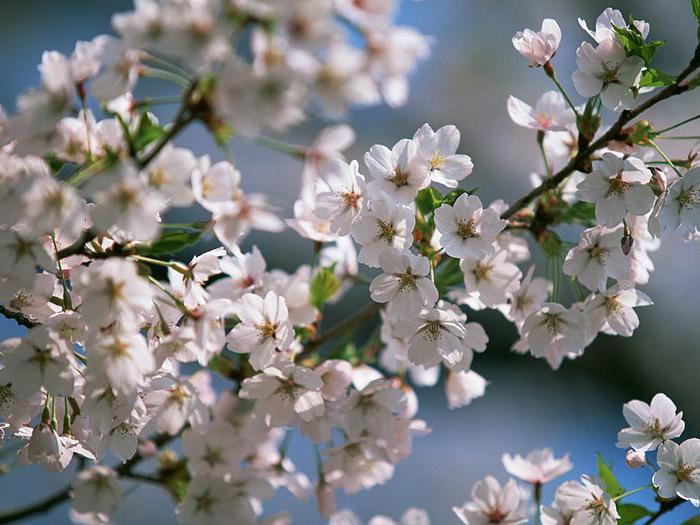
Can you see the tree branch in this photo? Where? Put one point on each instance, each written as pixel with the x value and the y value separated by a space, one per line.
pixel 17 317
pixel 363 315
pixel 666 506
pixel 626 116
pixel 62 495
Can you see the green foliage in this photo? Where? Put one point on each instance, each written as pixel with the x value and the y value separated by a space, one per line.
pixel 428 200
pixel 652 77
pixel 551 243
pixel 612 486
pixel 631 513
pixel 448 274
pixel 146 132
pixel 695 520
pixel 171 241
pixel 323 286
pixel 451 197
pixel 580 212
pixel 695 4
pixel 634 44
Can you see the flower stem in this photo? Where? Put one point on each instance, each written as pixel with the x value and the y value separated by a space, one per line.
pixel 540 143
pixel 665 157
pixel 549 71
pixel 681 123
pixel 630 492
pixel 293 150
pixel 537 494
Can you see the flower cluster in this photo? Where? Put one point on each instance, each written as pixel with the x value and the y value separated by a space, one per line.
pixel 595 499
pixel 128 347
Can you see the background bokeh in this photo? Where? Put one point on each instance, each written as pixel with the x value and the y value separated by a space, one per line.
pixel 466 82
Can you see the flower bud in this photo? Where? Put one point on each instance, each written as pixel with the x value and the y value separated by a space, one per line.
pixel 635 458
pixel 147 449
pixel 658 177
pixel 626 243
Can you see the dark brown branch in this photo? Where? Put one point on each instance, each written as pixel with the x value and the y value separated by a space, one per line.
pixel 17 317
pixel 62 495
pixel 348 324
pixel 626 116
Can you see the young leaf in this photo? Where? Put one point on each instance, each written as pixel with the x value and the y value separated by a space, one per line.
pixel 634 44
pixel 580 212
pixel 654 78
pixel 147 132
pixel 612 486
pixel 452 196
pixel 427 200
pixel 172 241
pixel 630 513
pixel 695 4
pixel 323 286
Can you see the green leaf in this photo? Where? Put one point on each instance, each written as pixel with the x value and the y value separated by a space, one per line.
pixel 428 199
pixel 551 244
pixel 630 513
pixel 452 196
pixel 448 274
pixel 695 4
pixel 323 286
pixel 172 241
pixel 634 44
pixel 580 212
pixel 695 520
pixel 147 132
pixel 654 78
pixel 612 486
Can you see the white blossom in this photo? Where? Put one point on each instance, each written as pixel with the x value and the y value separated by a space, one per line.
pixel 404 284
pixel 384 224
pixel 492 503
pixel 650 424
pixel 617 185
pixel 679 470
pixel 264 329
pixel 467 230
pixel 551 113
pixel 606 71
pixel 439 149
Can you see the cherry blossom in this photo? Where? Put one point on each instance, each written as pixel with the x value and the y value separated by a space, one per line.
pixel 467 230
pixel 549 114
pixel 589 501
pixel 650 424
pixel 384 224
pixel 264 328
pixel 679 470
pixel 606 71
pixel 492 503
pixel 617 185
pixel 538 46
pixel 439 149
pixel 539 466
pixel 404 285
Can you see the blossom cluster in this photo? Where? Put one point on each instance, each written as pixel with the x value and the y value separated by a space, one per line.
pixel 127 346
pixel 596 499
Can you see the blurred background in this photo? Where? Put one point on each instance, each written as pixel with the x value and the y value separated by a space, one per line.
pixel 466 82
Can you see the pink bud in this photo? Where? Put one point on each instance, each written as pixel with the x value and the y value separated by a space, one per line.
pixel 635 458
pixel 147 449
pixel 659 178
